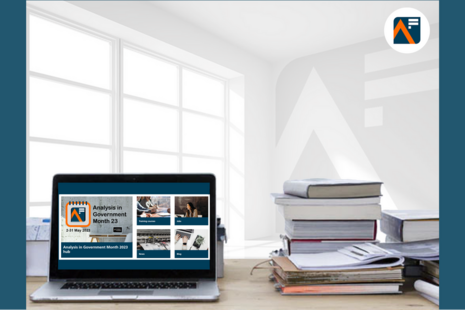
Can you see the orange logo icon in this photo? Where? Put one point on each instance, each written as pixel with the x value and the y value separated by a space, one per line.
pixel 78 214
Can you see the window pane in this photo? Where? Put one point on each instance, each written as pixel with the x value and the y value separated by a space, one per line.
pixel 236 109
pixel 138 162
pixel 202 93
pixel 150 78
pixel 236 149
pixel 149 126
pixel 236 191
pixel 204 165
pixel 202 135
pixel 48 159
pixel 43 212
pixel 79 114
pixel 236 205
pixel 66 53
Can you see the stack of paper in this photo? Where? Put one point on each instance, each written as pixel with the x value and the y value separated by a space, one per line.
pixel 411 225
pixel 305 246
pixel 331 230
pixel 361 269
pixel 335 274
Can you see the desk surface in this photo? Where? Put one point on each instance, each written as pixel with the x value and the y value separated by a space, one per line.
pixel 240 290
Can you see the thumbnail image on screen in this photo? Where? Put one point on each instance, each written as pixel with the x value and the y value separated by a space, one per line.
pixel 153 206
pixel 194 206
pixel 153 239
pixel 191 239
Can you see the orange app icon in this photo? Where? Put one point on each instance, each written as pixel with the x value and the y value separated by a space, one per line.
pixel 78 214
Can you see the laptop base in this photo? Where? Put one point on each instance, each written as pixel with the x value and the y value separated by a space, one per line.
pixel 52 292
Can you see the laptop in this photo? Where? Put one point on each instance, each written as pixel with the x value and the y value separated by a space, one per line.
pixel 100 250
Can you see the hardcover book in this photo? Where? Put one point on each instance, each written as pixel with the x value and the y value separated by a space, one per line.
pixel 410 225
pixel 332 188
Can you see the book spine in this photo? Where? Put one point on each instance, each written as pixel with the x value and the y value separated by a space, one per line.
pixel 392 226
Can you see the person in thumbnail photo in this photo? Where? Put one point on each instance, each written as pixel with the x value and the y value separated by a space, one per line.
pixel 191 206
pixel 153 206
pixel 144 204
pixel 184 240
pixel 191 211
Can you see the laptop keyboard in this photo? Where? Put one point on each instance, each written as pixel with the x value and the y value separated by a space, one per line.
pixel 128 285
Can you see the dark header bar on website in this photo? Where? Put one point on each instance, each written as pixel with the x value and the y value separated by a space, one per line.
pixel 133 188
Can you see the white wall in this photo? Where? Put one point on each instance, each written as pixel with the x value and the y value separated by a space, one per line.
pixel 174 37
pixel 402 151
pixel 362 111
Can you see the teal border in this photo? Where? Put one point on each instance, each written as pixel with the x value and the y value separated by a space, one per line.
pixel 451 153
pixel 13 154
pixel 13 130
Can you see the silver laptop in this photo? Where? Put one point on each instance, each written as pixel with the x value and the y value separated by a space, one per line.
pixel 117 238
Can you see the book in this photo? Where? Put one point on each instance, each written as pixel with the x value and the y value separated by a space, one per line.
pixel 429 278
pixel 367 256
pixel 302 246
pixel 289 275
pixel 341 261
pixel 419 250
pixel 332 188
pixel 410 225
pixel 356 212
pixel 340 289
pixel 331 230
pixel 381 275
pixel 289 200
pixel 431 267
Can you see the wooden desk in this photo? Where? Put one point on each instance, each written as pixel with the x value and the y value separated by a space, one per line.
pixel 239 290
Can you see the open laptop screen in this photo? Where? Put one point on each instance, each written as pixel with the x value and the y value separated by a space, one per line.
pixel 134 226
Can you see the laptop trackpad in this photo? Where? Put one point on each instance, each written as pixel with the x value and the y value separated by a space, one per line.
pixel 125 292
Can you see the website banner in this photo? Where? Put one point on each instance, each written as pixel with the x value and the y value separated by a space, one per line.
pixel 132 227
pixel 96 226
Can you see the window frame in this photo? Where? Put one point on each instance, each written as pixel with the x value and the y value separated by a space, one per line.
pixel 116 93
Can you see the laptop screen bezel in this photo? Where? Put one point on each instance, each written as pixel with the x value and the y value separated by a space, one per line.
pixel 56 274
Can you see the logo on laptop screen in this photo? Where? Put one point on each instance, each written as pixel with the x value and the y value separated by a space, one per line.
pixel 78 214
pixel 407 30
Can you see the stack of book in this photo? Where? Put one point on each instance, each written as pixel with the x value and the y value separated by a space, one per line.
pixel 327 215
pixel 362 269
pixel 416 225
pixel 293 281
pixel 408 226
pixel 430 271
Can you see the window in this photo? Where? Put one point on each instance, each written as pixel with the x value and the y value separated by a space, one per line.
pixel 70 104
pixel 97 104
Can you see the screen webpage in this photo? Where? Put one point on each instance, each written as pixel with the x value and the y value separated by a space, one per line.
pixel 146 226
